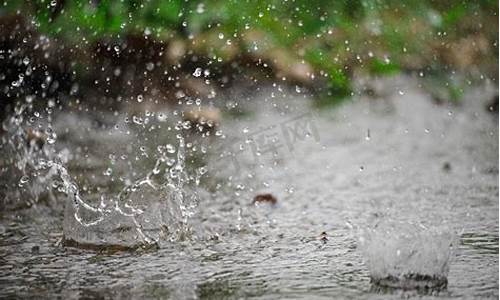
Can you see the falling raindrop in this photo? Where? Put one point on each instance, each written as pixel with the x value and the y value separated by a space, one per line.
pixel 24 179
pixel 197 72
pixel 200 8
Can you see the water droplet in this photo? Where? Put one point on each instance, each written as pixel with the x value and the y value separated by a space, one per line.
pixel 137 120
pixel 202 170
pixel 51 138
pixel 197 72
pixel 200 8
pixel 170 148
pixel 24 179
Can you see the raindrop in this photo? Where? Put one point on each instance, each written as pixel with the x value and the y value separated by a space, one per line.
pixel 170 148
pixel 24 179
pixel 200 8
pixel 137 120
pixel 197 72
pixel 51 138
pixel 202 170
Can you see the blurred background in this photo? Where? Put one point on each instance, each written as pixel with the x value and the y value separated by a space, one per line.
pixel 110 48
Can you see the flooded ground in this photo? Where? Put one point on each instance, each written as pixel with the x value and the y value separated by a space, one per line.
pixel 334 172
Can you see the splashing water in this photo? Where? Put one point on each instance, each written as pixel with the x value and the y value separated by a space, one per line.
pixel 150 208
pixel 407 255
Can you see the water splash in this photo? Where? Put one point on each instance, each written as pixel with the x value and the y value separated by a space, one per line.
pixel 407 255
pixel 148 209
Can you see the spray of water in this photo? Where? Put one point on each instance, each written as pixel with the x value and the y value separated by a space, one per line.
pixel 169 209
pixel 407 255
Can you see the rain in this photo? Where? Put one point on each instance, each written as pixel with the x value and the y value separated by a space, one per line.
pixel 178 149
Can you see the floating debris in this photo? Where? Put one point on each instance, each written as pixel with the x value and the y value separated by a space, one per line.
pixel 265 198
pixel 323 237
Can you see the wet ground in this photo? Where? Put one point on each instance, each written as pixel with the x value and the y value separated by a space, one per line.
pixel 334 172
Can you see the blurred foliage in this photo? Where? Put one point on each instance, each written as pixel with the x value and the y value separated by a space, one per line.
pixel 336 38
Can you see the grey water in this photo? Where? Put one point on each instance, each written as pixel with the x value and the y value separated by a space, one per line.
pixel 400 159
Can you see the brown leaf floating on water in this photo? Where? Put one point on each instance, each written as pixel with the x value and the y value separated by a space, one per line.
pixel 265 198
